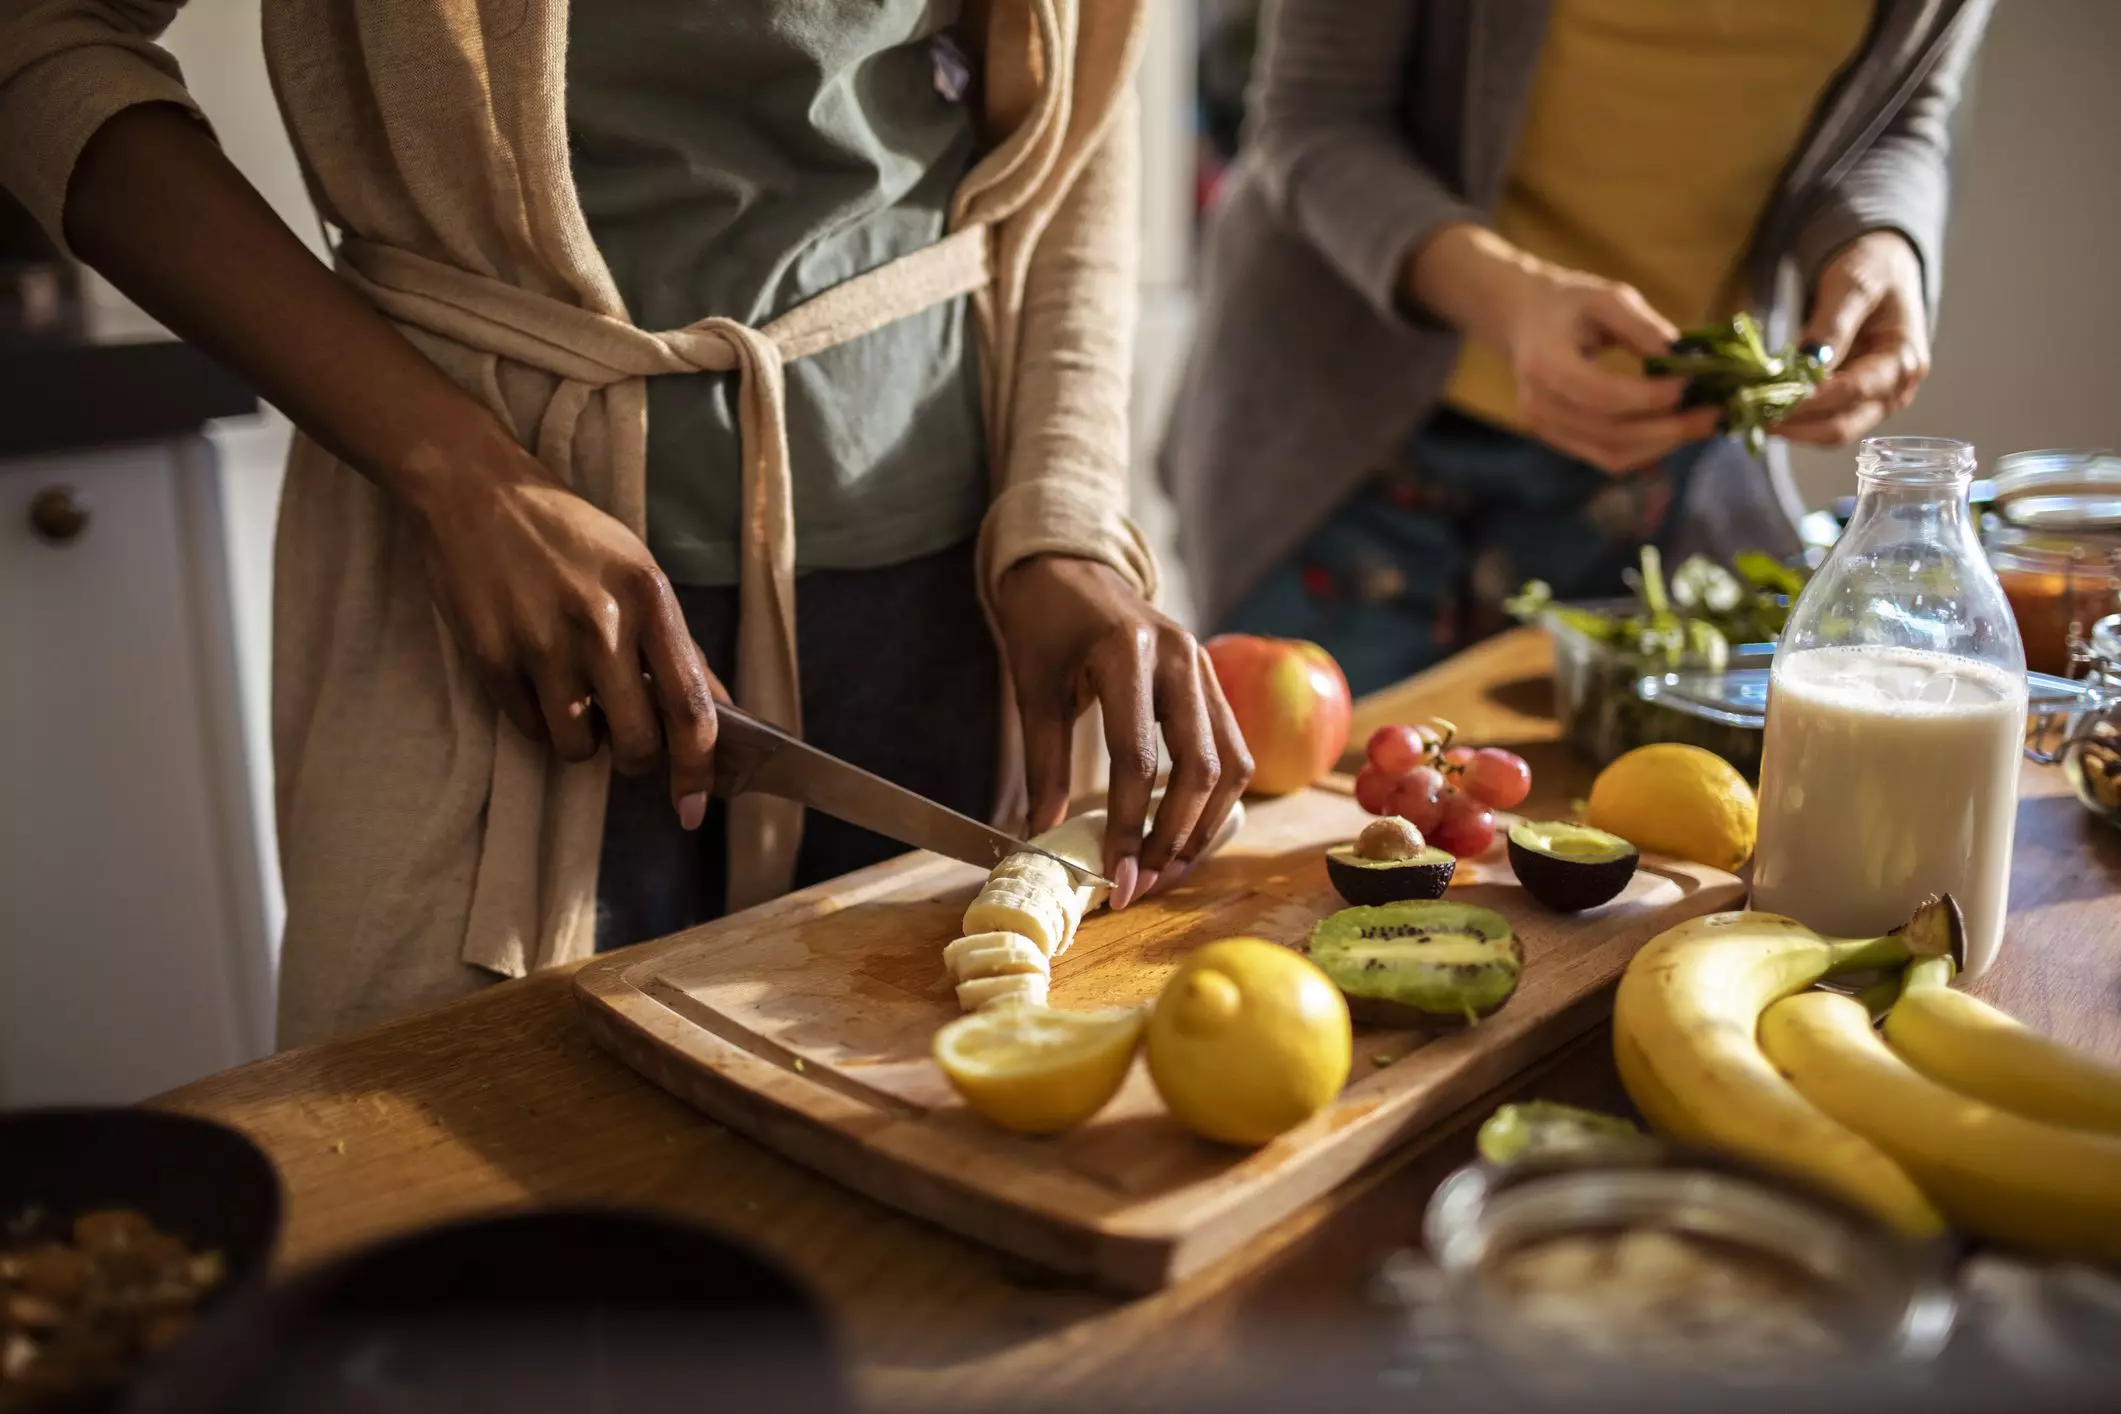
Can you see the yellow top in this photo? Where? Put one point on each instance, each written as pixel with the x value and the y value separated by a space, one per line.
pixel 1654 135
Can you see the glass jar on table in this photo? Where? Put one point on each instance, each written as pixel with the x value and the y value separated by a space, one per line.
pixel 2053 537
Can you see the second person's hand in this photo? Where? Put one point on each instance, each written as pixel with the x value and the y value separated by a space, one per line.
pixel 1552 323
pixel 1076 632
pixel 563 612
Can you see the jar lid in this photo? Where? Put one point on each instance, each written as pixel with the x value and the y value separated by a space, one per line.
pixel 2059 490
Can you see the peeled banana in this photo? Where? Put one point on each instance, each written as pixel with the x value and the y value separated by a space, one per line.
pixel 1997 1174
pixel 1027 913
pixel 1026 987
pixel 993 955
pixel 1683 1039
pixel 1969 1046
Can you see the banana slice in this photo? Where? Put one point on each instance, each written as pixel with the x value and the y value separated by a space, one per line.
pixel 1026 987
pixel 1013 907
pixel 992 955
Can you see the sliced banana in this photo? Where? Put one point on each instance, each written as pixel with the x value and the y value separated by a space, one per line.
pixel 1035 903
pixel 1013 907
pixel 1025 987
pixel 992 955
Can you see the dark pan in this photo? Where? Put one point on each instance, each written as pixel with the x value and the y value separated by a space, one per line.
pixel 193 1179
pixel 559 1310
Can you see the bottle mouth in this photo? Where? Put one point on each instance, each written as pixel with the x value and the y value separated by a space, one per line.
pixel 1915 461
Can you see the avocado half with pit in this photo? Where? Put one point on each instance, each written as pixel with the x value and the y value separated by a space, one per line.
pixel 1418 963
pixel 1425 873
pixel 1568 867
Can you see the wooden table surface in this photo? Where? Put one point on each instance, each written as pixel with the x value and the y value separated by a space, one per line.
pixel 501 1101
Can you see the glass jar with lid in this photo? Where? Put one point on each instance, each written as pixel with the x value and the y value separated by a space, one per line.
pixel 2090 737
pixel 2053 536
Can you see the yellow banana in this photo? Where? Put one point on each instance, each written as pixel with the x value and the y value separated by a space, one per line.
pixel 1683 1039
pixel 1993 1173
pixel 1967 1045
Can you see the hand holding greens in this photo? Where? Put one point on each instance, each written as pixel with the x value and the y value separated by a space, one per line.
pixel 1731 365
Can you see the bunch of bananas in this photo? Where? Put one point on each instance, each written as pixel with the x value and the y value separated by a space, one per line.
pixel 1956 1115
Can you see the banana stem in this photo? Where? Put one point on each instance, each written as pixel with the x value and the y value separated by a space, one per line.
pixel 1864 954
pixel 1878 998
pixel 1926 974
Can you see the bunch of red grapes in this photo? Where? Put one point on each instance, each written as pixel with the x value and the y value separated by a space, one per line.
pixel 1449 793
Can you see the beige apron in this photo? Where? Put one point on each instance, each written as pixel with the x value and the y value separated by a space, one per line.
pixel 589 352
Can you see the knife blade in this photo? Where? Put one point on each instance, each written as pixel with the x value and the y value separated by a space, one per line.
pixel 751 755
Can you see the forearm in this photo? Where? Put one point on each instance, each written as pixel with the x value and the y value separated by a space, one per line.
pixel 158 209
pixel 1470 278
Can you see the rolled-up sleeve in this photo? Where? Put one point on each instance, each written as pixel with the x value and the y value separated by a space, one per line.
pixel 1330 146
pixel 66 67
pixel 1067 482
pixel 1901 181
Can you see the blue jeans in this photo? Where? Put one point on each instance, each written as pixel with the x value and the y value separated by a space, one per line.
pixel 1416 565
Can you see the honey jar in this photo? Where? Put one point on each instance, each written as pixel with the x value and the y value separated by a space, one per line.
pixel 2054 539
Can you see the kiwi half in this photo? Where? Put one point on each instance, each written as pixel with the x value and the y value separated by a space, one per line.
pixel 1570 867
pixel 1421 962
pixel 1424 874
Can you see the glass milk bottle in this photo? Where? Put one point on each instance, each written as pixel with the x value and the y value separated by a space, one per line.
pixel 1896 715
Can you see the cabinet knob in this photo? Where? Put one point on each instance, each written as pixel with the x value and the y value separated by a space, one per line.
pixel 58 515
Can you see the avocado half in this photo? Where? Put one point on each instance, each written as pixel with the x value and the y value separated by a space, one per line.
pixel 1424 874
pixel 1420 962
pixel 1570 867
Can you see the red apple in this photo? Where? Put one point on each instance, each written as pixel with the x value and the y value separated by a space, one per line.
pixel 1291 703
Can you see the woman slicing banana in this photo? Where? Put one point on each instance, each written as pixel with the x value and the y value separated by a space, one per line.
pixel 665 339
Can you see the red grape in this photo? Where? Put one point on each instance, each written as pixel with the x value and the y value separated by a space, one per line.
pixel 1466 829
pixel 1496 777
pixel 1418 797
pixel 1396 749
pixel 1431 737
pixel 1374 789
pixel 1458 756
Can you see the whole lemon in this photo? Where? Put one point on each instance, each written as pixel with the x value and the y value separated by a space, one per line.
pixel 1678 800
pixel 1248 1039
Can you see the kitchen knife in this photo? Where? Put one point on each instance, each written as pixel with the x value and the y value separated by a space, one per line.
pixel 750 755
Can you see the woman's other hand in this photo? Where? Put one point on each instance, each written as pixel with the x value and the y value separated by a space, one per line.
pixel 1076 632
pixel 1869 316
pixel 1552 323
pixel 557 604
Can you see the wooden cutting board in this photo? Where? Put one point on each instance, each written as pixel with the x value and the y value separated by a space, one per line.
pixel 805 1024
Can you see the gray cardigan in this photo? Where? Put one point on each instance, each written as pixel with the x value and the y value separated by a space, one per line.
pixel 1379 121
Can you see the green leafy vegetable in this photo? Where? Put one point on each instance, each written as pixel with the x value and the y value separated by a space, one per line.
pixel 1688 620
pixel 1730 366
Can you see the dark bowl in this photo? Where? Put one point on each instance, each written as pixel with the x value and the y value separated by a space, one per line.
pixel 193 1179
pixel 560 1310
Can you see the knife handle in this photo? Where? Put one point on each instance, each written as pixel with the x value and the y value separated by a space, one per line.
pixel 742 746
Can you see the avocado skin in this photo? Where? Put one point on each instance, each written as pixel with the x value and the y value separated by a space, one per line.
pixel 1419 878
pixel 1570 885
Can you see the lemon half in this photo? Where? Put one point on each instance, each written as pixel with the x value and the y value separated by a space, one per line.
pixel 1679 800
pixel 1037 1070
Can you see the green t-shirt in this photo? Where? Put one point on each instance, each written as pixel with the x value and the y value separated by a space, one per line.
pixel 734 158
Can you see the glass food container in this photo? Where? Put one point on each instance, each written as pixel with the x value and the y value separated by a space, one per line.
pixel 1603 1265
pixel 1602 715
pixel 2053 539
pixel 2087 742
pixel 1896 714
